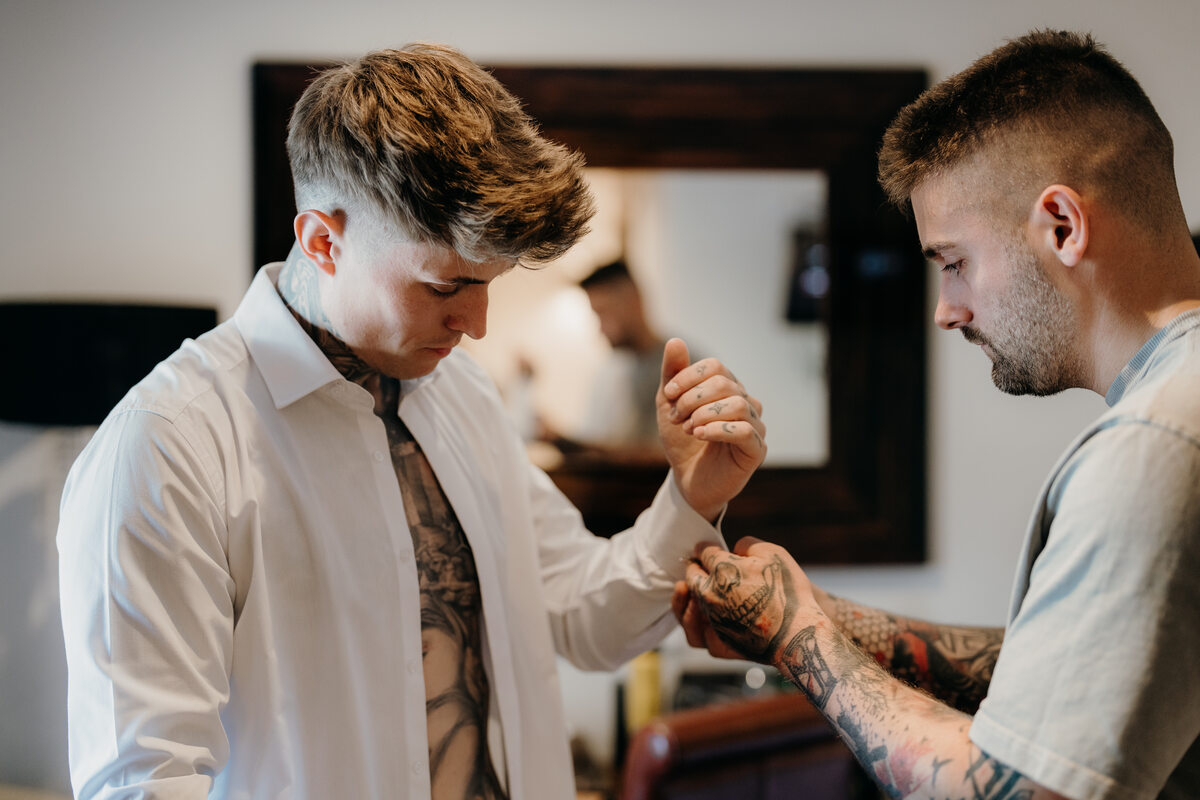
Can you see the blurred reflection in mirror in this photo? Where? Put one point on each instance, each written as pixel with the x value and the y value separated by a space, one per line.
pixel 729 260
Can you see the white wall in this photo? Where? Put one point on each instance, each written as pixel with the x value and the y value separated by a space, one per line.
pixel 124 156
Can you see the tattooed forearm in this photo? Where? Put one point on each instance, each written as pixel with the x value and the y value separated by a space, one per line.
pixel 912 745
pixel 805 666
pixel 991 780
pixel 953 663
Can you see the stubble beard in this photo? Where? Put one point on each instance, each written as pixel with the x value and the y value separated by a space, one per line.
pixel 1032 353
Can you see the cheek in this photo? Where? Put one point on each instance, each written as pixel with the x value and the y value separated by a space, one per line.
pixel 401 315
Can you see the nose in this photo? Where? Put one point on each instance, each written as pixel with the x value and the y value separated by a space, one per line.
pixel 469 315
pixel 951 312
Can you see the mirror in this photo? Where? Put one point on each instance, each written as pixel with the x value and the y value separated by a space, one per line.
pixel 846 483
pixel 711 256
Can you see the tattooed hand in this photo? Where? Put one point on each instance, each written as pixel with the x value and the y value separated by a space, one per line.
pixel 711 429
pixel 742 604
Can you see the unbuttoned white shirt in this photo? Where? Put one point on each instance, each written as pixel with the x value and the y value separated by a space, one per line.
pixel 239 590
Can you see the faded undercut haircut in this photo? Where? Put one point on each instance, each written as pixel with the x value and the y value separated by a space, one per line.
pixel 429 143
pixel 1049 107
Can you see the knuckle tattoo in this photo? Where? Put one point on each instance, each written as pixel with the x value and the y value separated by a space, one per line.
pixel 726 576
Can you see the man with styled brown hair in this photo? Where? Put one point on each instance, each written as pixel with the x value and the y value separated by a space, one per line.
pixel 1042 184
pixel 307 556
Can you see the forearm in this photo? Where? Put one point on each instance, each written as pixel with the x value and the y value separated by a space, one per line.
pixel 953 663
pixel 911 744
pixel 585 578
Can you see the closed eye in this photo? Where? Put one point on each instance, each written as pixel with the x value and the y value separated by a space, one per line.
pixel 953 267
pixel 444 289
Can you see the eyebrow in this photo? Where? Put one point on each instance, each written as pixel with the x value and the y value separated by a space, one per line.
pixel 464 280
pixel 934 250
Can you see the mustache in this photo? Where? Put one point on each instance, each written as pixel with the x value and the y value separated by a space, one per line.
pixel 973 336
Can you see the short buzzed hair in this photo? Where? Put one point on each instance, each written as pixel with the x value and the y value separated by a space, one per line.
pixel 428 141
pixel 1059 109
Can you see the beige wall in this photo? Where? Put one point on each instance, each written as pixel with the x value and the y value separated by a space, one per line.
pixel 124 151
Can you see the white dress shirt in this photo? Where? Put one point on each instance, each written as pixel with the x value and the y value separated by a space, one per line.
pixel 239 591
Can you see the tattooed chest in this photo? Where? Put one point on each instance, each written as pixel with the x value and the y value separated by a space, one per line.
pixel 446 570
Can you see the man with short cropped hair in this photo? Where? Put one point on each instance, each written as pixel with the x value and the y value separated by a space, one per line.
pixel 619 416
pixel 307 556
pixel 1042 184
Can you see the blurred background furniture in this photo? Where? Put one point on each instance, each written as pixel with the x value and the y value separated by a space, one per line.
pixel 76 360
pixel 765 748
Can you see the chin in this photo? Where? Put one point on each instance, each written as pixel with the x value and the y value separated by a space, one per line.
pixel 409 369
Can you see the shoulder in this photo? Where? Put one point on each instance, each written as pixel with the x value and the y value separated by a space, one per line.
pixel 1168 394
pixel 181 412
pixel 1172 403
pixel 214 362
pixel 1126 500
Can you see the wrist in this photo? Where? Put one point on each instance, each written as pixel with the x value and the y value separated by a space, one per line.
pixel 804 621
pixel 710 511
pixel 711 514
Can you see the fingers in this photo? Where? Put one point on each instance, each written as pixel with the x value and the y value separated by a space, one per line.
pixel 695 576
pixel 675 358
pixel 713 416
pixel 753 546
pixel 704 395
pixel 690 617
pixel 696 627
pixel 708 402
pixel 680 597
pixel 704 382
pixel 707 553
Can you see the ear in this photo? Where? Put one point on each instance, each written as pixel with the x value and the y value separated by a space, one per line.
pixel 1061 223
pixel 320 237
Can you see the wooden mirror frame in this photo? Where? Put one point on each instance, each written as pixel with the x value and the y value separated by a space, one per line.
pixel 866 504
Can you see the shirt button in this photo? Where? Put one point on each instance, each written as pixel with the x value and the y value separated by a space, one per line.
pixel 418 767
pixel 378 455
pixel 413 667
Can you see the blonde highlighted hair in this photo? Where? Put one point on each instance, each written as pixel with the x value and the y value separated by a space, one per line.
pixel 430 142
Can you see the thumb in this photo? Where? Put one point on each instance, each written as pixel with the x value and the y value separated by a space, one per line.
pixel 675 358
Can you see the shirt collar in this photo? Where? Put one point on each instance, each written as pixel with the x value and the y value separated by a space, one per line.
pixel 290 362
pixel 1141 363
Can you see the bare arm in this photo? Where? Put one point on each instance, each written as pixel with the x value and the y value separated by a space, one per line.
pixel 953 663
pixel 913 745
pixel 756 601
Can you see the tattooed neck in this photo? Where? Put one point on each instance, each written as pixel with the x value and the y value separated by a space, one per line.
pixel 299 289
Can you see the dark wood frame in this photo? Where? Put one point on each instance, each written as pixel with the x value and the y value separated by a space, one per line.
pixel 867 503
